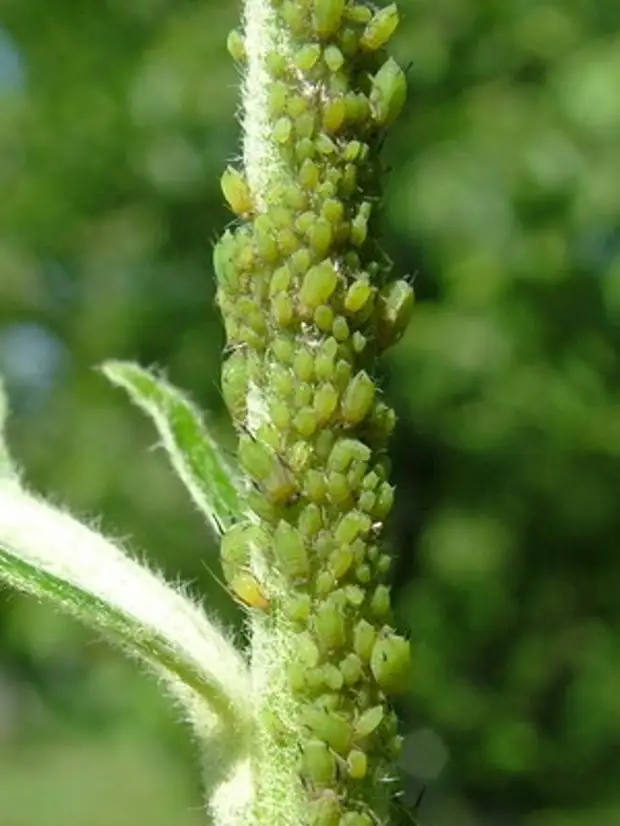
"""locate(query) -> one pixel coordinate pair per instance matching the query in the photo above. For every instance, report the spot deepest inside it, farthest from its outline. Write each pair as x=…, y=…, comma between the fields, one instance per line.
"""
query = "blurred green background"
x=116, y=118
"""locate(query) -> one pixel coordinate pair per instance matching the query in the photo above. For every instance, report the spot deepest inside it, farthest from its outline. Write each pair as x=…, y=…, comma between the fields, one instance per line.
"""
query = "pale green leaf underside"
x=195, y=455
x=46, y=552
x=134, y=639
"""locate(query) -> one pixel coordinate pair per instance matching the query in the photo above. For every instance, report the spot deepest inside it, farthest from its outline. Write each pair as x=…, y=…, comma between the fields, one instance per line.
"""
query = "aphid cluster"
x=308, y=303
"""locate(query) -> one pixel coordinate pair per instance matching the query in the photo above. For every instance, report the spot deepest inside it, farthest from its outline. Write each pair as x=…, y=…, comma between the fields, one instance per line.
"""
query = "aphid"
x=237, y=191
x=379, y=30
x=353, y=524
x=325, y=810
x=247, y=588
x=235, y=384
x=356, y=819
x=320, y=236
x=357, y=764
x=306, y=56
x=224, y=261
x=358, y=398
x=272, y=476
x=394, y=311
x=364, y=637
x=340, y=329
x=318, y=763
x=236, y=46
x=334, y=114
x=358, y=294
x=331, y=727
x=333, y=57
x=338, y=488
x=351, y=669
x=329, y=624
x=290, y=552
x=388, y=93
x=298, y=607
x=318, y=286
x=332, y=677
x=340, y=561
x=380, y=604
x=327, y=17
x=236, y=550
x=306, y=422
x=369, y=721
x=390, y=662
x=384, y=501
x=325, y=402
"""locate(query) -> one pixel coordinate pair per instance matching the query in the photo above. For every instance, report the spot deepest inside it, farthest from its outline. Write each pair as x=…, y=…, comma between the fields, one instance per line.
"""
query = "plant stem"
x=309, y=304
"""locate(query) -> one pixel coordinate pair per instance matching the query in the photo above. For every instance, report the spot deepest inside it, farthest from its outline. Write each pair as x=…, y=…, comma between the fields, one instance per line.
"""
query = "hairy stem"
x=309, y=304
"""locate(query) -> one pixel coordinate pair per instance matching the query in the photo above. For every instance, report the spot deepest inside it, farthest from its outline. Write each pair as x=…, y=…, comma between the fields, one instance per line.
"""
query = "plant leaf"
x=195, y=455
x=46, y=552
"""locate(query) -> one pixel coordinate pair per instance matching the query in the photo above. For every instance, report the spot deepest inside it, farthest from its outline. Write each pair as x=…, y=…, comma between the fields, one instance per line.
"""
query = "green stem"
x=309, y=304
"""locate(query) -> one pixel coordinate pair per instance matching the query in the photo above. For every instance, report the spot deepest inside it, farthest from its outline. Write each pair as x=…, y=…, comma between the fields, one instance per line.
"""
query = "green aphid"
x=236, y=550
x=338, y=488
x=379, y=30
x=331, y=727
x=334, y=114
x=357, y=764
x=369, y=721
x=307, y=56
x=340, y=561
x=325, y=810
x=333, y=57
x=237, y=191
x=364, y=637
x=276, y=64
x=273, y=477
x=278, y=97
x=298, y=607
x=358, y=398
x=394, y=310
x=390, y=663
x=236, y=46
x=340, y=329
x=356, y=819
x=353, y=524
x=307, y=651
x=345, y=451
x=324, y=583
x=310, y=521
x=349, y=41
x=325, y=402
x=320, y=237
x=306, y=422
x=358, y=13
x=303, y=365
x=324, y=320
x=290, y=552
x=358, y=295
x=380, y=603
x=351, y=669
x=318, y=763
x=384, y=501
x=235, y=378
x=317, y=287
x=224, y=261
x=282, y=130
x=305, y=125
x=388, y=93
x=330, y=626
x=327, y=16
x=332, y=677
x=294, y=17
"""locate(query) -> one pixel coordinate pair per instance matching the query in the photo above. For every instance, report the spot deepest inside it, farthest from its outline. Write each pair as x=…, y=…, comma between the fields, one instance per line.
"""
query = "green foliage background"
x=116, y=119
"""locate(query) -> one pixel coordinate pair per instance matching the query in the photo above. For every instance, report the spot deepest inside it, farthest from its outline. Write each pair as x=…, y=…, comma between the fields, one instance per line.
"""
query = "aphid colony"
x=309, y=303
